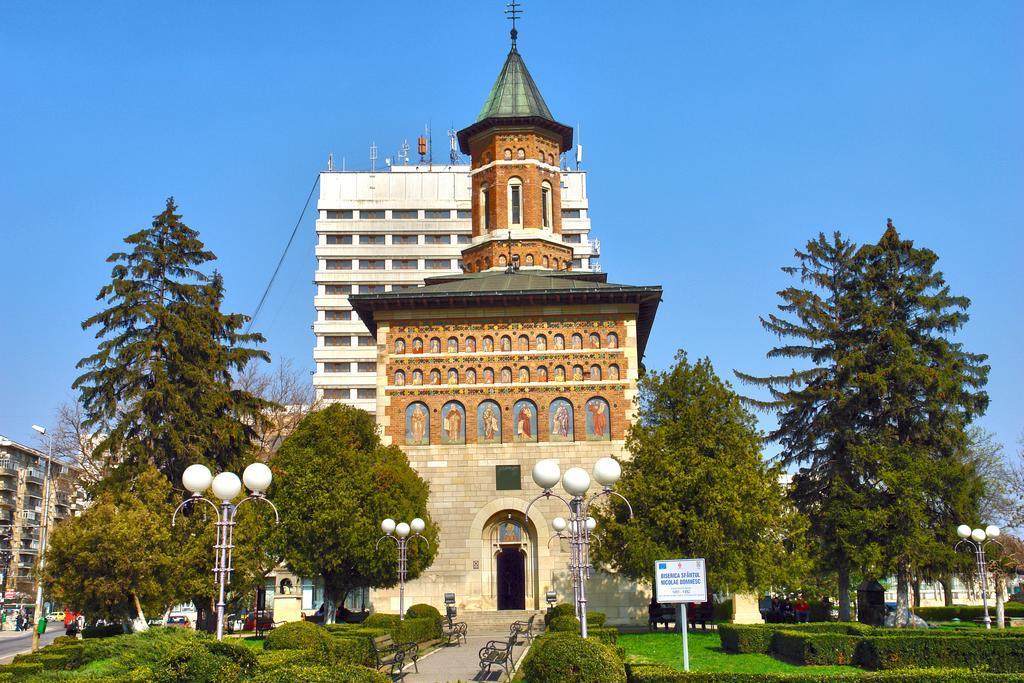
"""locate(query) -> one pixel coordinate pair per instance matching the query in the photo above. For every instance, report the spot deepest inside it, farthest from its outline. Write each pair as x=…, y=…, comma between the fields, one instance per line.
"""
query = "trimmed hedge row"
x=816, y=648
x=568, y=658
x=758, y=638
x=966, y=612
x=322, y=674
x=658, y=673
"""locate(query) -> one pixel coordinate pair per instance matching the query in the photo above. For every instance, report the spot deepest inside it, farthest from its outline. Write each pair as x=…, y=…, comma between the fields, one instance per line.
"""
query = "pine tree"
x=159, y=385
x=814, y=405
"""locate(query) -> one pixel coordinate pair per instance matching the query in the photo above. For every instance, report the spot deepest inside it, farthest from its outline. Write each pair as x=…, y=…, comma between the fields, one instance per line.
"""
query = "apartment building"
x=22, y=487
x=387, y=230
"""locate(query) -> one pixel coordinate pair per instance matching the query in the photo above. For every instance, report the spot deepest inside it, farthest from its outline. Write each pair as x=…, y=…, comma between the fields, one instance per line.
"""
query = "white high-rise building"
x=380, y=231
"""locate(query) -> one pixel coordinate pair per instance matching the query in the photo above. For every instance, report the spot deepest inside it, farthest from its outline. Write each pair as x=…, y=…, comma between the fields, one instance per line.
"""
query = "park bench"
x=390, y=656
x=499, y=653
x=454, y=631
x=523, y=628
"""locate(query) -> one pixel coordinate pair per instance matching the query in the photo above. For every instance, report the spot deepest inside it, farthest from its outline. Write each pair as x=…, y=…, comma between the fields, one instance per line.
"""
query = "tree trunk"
x=844, y=592
x=917, y=592
x=139, y=623
x=902, y=595
x=947, y=589
x=1000, y=603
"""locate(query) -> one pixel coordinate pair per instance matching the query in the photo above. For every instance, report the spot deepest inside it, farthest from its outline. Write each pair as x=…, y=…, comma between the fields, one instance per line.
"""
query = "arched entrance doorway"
x=513, y=559
x=511, y=571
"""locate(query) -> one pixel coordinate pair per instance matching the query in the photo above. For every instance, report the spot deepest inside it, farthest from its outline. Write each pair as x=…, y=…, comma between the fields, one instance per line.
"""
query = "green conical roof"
x=514, y=93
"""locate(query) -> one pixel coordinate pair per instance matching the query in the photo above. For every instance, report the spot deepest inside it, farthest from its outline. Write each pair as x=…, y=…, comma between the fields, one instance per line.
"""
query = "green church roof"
x=514, y=93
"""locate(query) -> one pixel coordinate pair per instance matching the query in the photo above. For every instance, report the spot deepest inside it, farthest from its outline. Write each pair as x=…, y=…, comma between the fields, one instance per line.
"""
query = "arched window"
x=453, y=376
x=524, y=375
x=417, y=425
x=488, y=375
x=598, y=419
x=529, y=259
x=488, y=344
x=577, y=373
x=595, y=341
x=435, y=345
x=471, y=344
x=551, y=159
x=545, y=203
x=484, y=222
x=520, y=153
x=506, y=343
x=515, y=202
x=453, y=423
x=524, y=419
x=559, y=373
x=435, y=376
x=577, y=341
x=399, y=378
x=453, y=345
x=506, y=375
x=524, y=343
x=508, y=154
x=488, y=422
x=613, y=340
x=502, y=261
x=554, y=264
x=560, y=420
x=417, y=377
x=417, y=345
x=595, y=373
x=559, y=342
x=542, y=374
x=399, y=346
x=613, y=372
x=470, y=376
x=546, y=262
x=541, y=342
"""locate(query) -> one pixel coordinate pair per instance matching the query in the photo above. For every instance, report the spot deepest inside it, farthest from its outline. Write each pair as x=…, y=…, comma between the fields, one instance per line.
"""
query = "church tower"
x=515, y=146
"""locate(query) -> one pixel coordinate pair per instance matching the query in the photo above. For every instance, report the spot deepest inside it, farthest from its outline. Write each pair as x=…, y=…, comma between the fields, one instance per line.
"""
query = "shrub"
x=416, y=630
x=107, y=631
x=295, y=635
x=357, y=647
x=23, y=671
x=608, y=636
x=561, y=610
x=378, y=620
x=275, y=659
x=565, y=623
x=815, y=648
x=321, y=674
x=596, y=619
x=658, y=673
x=997, y=654
x=423, y=611
x=206, y=661
x=745, y=639
x=567, y=658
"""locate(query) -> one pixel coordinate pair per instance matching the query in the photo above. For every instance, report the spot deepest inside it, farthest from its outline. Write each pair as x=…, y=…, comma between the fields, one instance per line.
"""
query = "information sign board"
x=678, y=581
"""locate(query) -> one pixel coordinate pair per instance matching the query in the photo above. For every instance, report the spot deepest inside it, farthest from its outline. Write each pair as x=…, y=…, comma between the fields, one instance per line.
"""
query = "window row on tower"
x=525, y=424
x=524, y=375
x=522, y=343
x=514, y=196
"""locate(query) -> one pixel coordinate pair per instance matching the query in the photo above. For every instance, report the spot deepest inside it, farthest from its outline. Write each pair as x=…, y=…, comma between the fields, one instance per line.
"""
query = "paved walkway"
x=459, y=663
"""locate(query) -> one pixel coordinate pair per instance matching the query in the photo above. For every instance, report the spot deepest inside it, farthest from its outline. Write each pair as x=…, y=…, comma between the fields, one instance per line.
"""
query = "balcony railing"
x=34, y=475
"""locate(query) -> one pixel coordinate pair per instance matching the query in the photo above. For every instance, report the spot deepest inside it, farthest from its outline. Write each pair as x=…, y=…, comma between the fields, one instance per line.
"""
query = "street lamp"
x=225, y=486
x=399, y=533
x=977, y=540
x=576, y=481
x=42, y=536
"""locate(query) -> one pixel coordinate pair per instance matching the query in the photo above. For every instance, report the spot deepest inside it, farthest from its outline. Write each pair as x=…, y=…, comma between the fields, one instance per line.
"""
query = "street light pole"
x=399, y=533
x=226, y=487
x=5, y=568
x=42, y=537
x=576, y=481
x=977, y=540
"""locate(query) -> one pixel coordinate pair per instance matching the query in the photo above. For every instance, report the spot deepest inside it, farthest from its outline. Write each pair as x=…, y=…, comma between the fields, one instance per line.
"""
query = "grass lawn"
x=706, y=654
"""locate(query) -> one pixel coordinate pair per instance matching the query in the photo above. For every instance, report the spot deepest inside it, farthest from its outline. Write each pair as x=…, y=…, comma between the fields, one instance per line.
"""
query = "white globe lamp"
x=546, y=473
x=992, y=531
x=418, y=525
x=196, y=478
x=558, y=524
x=257, y=477
x=591, y=523
x=226, y=486
x=978, y=535
x=963, y=531
x=607, y=471
x=576, y=481
x=388, y=526
x=402, y=530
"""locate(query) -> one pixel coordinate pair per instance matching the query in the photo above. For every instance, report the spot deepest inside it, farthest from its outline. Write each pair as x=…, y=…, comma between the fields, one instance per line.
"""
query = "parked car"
x=263, y=621
x=56, y=616
x=179, y=620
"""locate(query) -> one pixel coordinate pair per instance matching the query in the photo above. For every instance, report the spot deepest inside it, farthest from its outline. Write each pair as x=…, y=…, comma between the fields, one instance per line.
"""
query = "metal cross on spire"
x=513, y=13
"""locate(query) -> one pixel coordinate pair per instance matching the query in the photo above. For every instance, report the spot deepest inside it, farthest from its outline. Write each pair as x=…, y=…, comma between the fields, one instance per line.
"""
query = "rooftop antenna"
x=430, y=145
x=579, y=146
x=513, y=13
x=405, y=152
x=330, y=162
x=453, y=153
x=373, y=157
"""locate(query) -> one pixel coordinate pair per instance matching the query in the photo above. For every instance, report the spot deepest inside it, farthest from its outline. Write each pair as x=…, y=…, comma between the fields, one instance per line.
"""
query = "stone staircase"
x=478, y=623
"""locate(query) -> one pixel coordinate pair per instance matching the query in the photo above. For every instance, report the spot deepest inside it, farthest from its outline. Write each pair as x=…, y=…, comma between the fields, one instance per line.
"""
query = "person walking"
x=802, y=609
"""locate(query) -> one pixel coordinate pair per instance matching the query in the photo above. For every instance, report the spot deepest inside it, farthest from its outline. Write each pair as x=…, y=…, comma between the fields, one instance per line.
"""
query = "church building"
x=517, y=359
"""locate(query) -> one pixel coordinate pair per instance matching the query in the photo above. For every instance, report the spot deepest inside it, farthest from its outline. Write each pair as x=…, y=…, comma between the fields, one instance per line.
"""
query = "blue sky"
x=719, y=136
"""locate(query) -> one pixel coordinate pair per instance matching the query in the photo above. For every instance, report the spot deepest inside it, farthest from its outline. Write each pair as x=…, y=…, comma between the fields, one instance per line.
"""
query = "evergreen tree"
x=159, y=387
x=334, y=484
x=814, y=404
x=699, y=488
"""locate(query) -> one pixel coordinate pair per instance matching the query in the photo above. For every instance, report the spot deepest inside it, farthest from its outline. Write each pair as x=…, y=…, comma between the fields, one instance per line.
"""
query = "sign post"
x=680, y=582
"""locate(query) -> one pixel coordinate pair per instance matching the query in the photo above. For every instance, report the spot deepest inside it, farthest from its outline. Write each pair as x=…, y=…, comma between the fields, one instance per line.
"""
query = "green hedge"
x=379, y=620
x=107, y=631
x=321, y=674
x=567, y=658
x=1000, y=655
x=22, y=671
x=296, y=635
x=758, y=638
x=416, y=630
x=596, y=619
x=816, y=648
x=566, y=622
x=967, y=612
x=657, y=673
x=560, y=610
x=423, y=611
x=205, y=660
